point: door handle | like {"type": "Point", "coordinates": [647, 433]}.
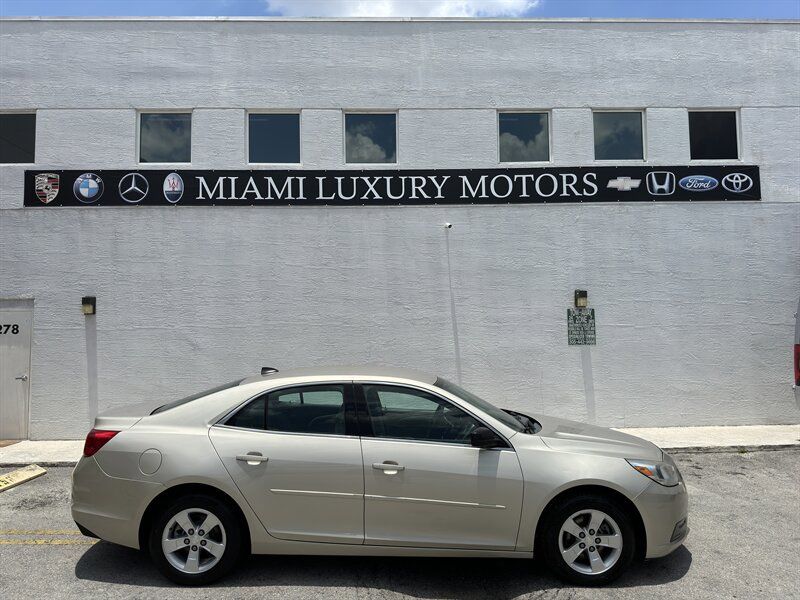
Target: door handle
{"type": "Point", "coordinates": [22, 377]}
{"type": "Point", "coordinates": [388, 467]}
{"type": "Point", "coordinates": [252, 459]}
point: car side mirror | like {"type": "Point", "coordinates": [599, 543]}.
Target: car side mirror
{"type": "Point", "coordinates": [483, 437]}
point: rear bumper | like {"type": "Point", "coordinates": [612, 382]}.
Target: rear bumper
{"type": "Point", "coordinates": [664, 511]}
{"type": "Point", "coordinates": [108, 507]}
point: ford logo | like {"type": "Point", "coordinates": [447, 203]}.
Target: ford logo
{"type": "Point", "coordinates": [698, 183]}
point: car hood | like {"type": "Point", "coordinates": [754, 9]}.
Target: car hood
{"type": "Point", "coordinates": [571, 436]}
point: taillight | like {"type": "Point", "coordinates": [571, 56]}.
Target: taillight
{"type": "Point", "coordinates": [797, 364]}
{"type": "Point", "coordinates": [96, 439]}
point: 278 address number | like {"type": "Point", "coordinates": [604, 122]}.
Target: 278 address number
{"type": "Point", "coordinates": [12, 329]}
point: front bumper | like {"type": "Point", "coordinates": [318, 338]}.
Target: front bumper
{"type": "Point", "coordinates": [109, 508]}
{"type": "Point", "coordinates": [664, 511]}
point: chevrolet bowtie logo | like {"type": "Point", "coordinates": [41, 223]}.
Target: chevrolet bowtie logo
{"type": "Point", "coordinates": [624, 184]}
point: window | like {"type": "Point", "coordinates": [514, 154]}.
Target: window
{"type": "Point", "coordinates": [618, 136]}
{"type": "Point", "coordinates": [712, 135]}
{"type": "Point", "coordinates": [17, 138]}
{"type": "Point", "coordinates": [370, 138]}
{"type": "Point", "coordinates": [165, 138]}
{"type": "Point", "coordinates": [406, 413]}
{"type": "Point", "coordinates": [309, 409]}
{"type": "Point", "coordinates": [524, 137]}
{"type": "Point", "coordinates": [481, 404]}
{"type": "Point", "coordinates": [273, 138]}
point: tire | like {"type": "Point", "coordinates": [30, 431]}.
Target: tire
{"type": "Point", "coordinates": [207, 557]}
{"type": "Point", "coordinates": [579, 514]}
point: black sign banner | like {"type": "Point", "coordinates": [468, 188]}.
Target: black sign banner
{"type": "Point", "coordinates": [545, 185]}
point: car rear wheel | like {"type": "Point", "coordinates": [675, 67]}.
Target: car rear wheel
{"type": "Point", "coordinates": [588, 540]}
{"type": "Point", "coordinates": [195, 540]}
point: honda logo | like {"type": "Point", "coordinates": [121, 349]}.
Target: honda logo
{"type": "Point", "coordinates": [661, 183]}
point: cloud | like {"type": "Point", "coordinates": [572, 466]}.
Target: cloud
{"type": "Point", "coordinates": [361, 149]}
{"type": "Point", "coordinates": [513, 149]}
{"type": "Point", "coordinates": [402, 8]}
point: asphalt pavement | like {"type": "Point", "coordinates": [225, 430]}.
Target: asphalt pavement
{"type": "Point", "coordinates": [744, 543]}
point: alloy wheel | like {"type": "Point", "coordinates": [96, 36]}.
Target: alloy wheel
{"type": "Point", "coordinates": [193, 540]}
{"type": "Point", "coordinates": [590, 542]}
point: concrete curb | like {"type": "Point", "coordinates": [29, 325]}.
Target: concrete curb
{"type": "Point", "coordinates": [730, 449]}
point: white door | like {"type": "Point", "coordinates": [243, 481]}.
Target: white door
{"type": "Point", "coordinates": [16, 320]}
{"type": "Point", "coordinates": [425, 485]}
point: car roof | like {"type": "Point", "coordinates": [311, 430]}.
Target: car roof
{"type": "Point", "coordinates": [354, 372]}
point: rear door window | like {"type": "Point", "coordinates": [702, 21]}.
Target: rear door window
{"type": "Point", "coordinates": [314, 409]}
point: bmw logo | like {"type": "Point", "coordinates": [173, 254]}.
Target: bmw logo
{"type": "Point", "coordinates": [88, 188]}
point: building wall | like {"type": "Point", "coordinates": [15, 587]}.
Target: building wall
{"type": "Point", "coordinates": [694, 301]}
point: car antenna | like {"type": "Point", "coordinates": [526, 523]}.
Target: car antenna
{"type": "Point", "coordinates": [268, 370]}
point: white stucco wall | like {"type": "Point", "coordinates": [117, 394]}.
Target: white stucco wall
{"type": "Point", "coordinates": [694, 301]}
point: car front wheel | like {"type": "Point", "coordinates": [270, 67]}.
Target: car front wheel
{"type": "Point", "coordinates": [196, 540]}
{"type": "Point", "coordinates": [588, 540]}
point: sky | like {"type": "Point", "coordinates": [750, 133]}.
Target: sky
{"type": "Point", "coordinates": [682, 9]}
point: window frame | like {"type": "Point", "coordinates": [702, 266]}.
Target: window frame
{"type": "Point", "coordinates": [371, 111]}
{"type": "Point", "coordinates": [350, 410]}
{"type": "Point", "coordinates": [365, 422]}
{"type": "Point", "coordinates": [610, 161]}
{"type": "Point", "coordinates": [25, 111]}
{"type": "Point", "coordinates": [534, 111]}
{"type": "Point", "coordinates": [160, 111]}
{"type": "Point", "coordinates": [716, 161]}
{"type": "Point", "coordinates": [274, 111]}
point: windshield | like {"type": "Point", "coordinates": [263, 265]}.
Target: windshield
{"type": "Point", "coordinates": [188, 399]}
{"type": "Point", "coordinates": [479, 403]}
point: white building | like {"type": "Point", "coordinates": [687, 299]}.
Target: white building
{"type": "Point", "coordinates": [694, 300]}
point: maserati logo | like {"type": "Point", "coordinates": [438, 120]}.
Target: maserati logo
{"type": "Point", "coordinates": [661, 183]}
{"type": "Point", "coordinates": [45, 185]}
{"type": "Point", "coordinates": [88, 188]}
{"type": "Point", "coordinates": [737, 182]}
{"type": "Point", "coordinates": [624, 184]}
{"type": "Point", "coordinates": [173, 187]}
{"type": "Point", "coordinates": [133, 187]}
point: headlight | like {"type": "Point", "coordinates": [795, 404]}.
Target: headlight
{"type": "Point", "coordinates": [664, 473]}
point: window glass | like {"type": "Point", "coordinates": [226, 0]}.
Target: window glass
{"type": "Point", "coordinates": [165, 137]}
{"type": "Point", "coordinates": [712, 135]}
{"type": "Point", "coordinates": [618, 136]}
{"type": "Point", "coordinates": [370, 138]}
{"type": "Point", "coordinates": [17, 138]}
{"type": "Point", "coordinates": [309, 409]}
{"type": "Point", "coordinates": [480, 404]}
{"type": "Point", "coordinates": [523, 137]}
{"type": "Point", "coordinates": [251, 416]}
{"type": "Point", "coordinates": [405, 413]}
{"type": "Point", "coordinates": [274, 138]}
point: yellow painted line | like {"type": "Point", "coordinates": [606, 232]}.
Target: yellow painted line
{"type": "Point", "coordinates": [15, 478]}
{"type": "Point", "coordinates": [43, 542]}
{"type": "Point", "coordinates": [40, 532]}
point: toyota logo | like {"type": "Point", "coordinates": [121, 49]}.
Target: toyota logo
{"type": "Point", "coordinates": [737, 182]}
{"type": "Point", "coordinates": [133, 187]}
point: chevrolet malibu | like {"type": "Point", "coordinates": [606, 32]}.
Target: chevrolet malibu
{"type": "Point", "coordinates": [371, 461]}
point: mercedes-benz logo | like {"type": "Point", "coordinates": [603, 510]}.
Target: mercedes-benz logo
{"type": "Point", "coordinates": [737, 182]}
{"type": "Point", "coordinates": [133, 187]}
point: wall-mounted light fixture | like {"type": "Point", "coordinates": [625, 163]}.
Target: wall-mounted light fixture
{"type": "Point", "coordinates": [88, 305]}
{"type": "Point", "coordinates": [581, 298]}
